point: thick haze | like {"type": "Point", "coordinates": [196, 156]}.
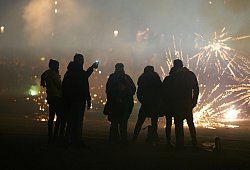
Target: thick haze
{"type": "Point", "coordinates": [89, 24]}
{"type": "Point", "coordinates": [145, 29]}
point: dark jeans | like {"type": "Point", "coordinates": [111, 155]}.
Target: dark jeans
{"type": "Point", "coordinates": [168, 128]}
{"type": "Point", "coordinates": [141, 119]}
{"type": "Point", "coordinates": [118, 131]}
{"type": "Point", "coordinates": [179, 132]}
{"type": "Point", "coordinates": [190, 122]}
{"type": "Point", "coordinates": [55, 108]}
{"type": "Point", "coordinates": [75, 117]}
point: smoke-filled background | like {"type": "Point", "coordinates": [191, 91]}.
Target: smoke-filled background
{"type": "Point", "coordinates": [212, 38]}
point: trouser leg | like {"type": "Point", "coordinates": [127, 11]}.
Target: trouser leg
{"type": "Point", "coordinates": [78, 130]}
{"type": "Point", "coordinates": [191, 127]}
{"type": "Point", "coordinates": [139, 123]}
{"type": "Point", "coordinates": [50, 122]}
{"type": "Point", "coordinates": [154, 123]}
{"type": "Point", "coordinates": [58, 123]}
{"type": "Point", "coordinates": [123, 125]}
{"type": "Point", "coordinates": [168, 128]}
{"type": "Point", "coordinates": [179, 131]}
{"type": "Point", "coordinates": [113, 132]}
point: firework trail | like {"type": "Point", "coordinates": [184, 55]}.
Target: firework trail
{"type": "Point", "coordinates": [241, 92]}
{"type": "Point", "coordinates": [216, 53]}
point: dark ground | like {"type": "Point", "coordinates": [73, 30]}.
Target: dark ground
{"type": "Point", "coordinates": [23, 148]}
{"type": "Point", "coordinates": [24, 145]}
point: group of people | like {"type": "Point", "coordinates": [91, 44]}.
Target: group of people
{"type": "Point", "coordinates": [173, 98]}
{"type": "Point", "coordinates": [67, 99]}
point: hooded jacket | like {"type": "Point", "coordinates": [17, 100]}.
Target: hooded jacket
{"type": "Point", "coordinates": [51, 80]}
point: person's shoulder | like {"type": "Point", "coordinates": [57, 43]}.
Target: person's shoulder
{"type": "Point", "coordinates": [46, 72]}
{"type": "Point", "coordinates": [141, 76]}
{"type": "Point", "coordinates": [166, 78]}
{"type": "Point", "coordinates": [111, 76]}
{"type": "Point", "coordinates": [156, 75]}
{"type": "Point", "coordinates": [127, 76]}
{"type": "Point", "coordinates": [191, 72]}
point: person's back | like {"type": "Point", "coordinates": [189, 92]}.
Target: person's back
{"type": "Point", "coordinates": [76, 94]}
{"type": "Point", "coordinates": [51, 80]}
{"type": "Point", "coordinates": [120, 89]}
{"type": "Point", "coordinates": [52, 83]}
{"type": "Point", "coordinates": [75, 84]}
{"type": "Point", "coordinates": [182, 89]}
{"type": "Point", "coordinates": [149, 86]}
{"type": "Point", "coordinates": [148, 93]}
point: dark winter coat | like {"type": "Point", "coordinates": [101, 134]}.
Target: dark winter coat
{"type": "Point", "coordinates": [148, 93]}
{"type": "Point", "coordinates": [181, 90]}
{"type": "Point", "coordinates": [75, 85]}
{"type": "Point", "coordinates": [120, 89]}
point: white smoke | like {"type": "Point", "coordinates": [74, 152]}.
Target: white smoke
{"type": "Point", "coordinates": [38, 21]}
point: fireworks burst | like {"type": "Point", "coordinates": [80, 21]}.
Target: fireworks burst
{"type": "Point", "coordinates": [215, 106]}
{"type": "Point", "coordinates": [216, 53]}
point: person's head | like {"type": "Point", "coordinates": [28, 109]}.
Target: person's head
{"type": "Point", "coordinates": [178, 63]}
{"type": "Point", "coordinates": [79, 59]}
{"type": "Point", "coordinates": [119, 67]}
{"type": "Point", "coordinates": [53, 65]}
{"type": "Point", "coordinates": [149, 69]}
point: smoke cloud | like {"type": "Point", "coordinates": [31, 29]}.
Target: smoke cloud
{"type": "Point", "coordinates": [38, 21]}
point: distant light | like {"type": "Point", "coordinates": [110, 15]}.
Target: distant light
{"type": "Point", "coordinates": [210, 2]}
{"type": "Point", "coordinates": [43, 120]}
{"type": "Point", "coordinates": [55, 2]}
{"type": "Point", "coordinates": [116, 33]}
{"type": "Point", "coordinates": [2, 29]}
{"type": "Point", "coordinates": [100, 72]}
{"type": "Point", "coordinates": [56, 11]}
{"type": "Point", "coordinates": [43, 58]}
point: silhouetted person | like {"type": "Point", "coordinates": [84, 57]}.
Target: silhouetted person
{"type": "Point", "coordinates": [182, 92]}
{"type": "Point", "coordinates": [148, 93]}
{"type": "Point", "coordinates": [51, 80]}
{"type": "Point", "coordinates": [167, 110]}
{"type": "Point", "coordinates": [120, 89]}
{"type": "Point", "coordinates": [76, 94]}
